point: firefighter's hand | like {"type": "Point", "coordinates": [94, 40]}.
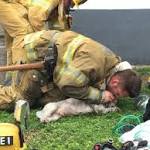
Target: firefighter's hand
{"type": "Point", "coordinates": [108, 97]}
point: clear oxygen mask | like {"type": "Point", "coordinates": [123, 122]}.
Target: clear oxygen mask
{"type": "Point", "coordinates": [141, 102]}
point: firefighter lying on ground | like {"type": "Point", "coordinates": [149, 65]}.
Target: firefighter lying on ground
{"type": "Point", "coordinates": [85, 69]}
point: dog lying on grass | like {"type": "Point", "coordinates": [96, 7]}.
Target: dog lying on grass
{"type": "Point", "coordinates": [71, 106]}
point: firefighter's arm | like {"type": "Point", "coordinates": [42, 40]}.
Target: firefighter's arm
{"type": "Point", "coordinates": [72, 87]}
{"type": "Point", "coordinates": [39, 11]}
{"type": "Point", "coordinates": [75, 80]}
{"type": "Point", "coordinates": [78, 79]}
{"type": "Point", "coordinates": [74, 83]}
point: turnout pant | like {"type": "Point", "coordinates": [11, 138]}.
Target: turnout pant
{"type": "Point", "coordinates": [29, 85]}
{"type": "Point", "coordinates": [24, 85]}
{"type": "Point", "coordinates": [13, 18]}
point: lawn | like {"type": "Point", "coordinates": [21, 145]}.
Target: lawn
{"type": "Point", "coordinates": [77, 132]}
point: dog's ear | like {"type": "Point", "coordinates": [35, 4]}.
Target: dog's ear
{"type": "Point", "coordinates": [146, 115]}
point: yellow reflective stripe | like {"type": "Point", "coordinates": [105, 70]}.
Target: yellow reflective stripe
{"type": "Point", "coordinates": [30, 41]}
{"type": "Point", "coordinates": [66, 69]}
{"type": "Point", "coordinates": [75, 74]}
{"type": "Point", "coordinates": [94, 94]}
{"type": "Point", "coordinates": [29, 46]}
{"type": "Point", "coordinates": [44, 4]}
{"type": "Point", "coordinates": [31, 53]}
{"type": "Point", "coordinates": [33, 37]}
{"type": "Point", "coordinates": [68, 56]}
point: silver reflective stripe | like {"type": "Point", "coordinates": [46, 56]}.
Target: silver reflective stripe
{"type": "Point", "coordinates": [94, 94]}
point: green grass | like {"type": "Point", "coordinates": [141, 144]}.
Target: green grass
{"type": "Point", "coordinates": [77, 132]}
{"type": "Point", "coordinates": [73, 133]}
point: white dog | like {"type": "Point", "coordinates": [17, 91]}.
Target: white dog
{"type": "Point", "coordinates": [55, 110]}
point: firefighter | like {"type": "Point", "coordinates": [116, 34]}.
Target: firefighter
{"type": "Point", "coordinates": [85, 69]}
{"type": "Point", "coordinates": [13, 19]}
{"type": "Point", "coordinates": [57, 12]}
{"type": "Point", "coordinates": [19, 18]}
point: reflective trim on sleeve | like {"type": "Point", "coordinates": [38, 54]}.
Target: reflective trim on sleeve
{"type": "Point", "coordinates": [79, 77]}
{"type": "Point", "coordinates": [30, 42]}
{"type": "Point", "coordinates": [94, 94]}
{"type": "Point", "coordinates": [44, 4]}
{"type": "Point", "coordinates": [31, 53]}
{"type": "Point", "coordinates": [76, 42]}
{"type": "Point", "coordinates": [33, 37]}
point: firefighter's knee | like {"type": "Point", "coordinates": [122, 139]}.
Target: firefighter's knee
{"type": "Point", "coordinates": [31, 86]}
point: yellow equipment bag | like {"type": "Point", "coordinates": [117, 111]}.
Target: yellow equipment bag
{"type": "Point", "coordinates": [11, 135]}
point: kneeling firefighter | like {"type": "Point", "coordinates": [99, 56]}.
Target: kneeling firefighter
{"type": "Point", "coordinates": [30, 83]}
{"type": "Point", "coordinates": [82, 66]}
{"type": "Point", "coordinates": [19, 18]}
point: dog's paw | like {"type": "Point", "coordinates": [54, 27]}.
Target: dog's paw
{"type": "Point", "coordinates": [116, 109]}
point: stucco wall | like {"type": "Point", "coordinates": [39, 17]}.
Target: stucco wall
{"type": "Point", "coordinates": [127, 32]}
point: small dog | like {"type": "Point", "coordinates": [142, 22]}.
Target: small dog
{"type": "Point", "coordinates": [71, 106]}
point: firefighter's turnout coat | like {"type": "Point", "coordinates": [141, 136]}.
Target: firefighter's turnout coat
{"type": "Point", "coordinates": [82, 65]}
{"type": "Point", "coordinates": [20, 17]}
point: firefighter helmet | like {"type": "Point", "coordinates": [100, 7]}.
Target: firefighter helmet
{"type": "Point", "coordinates": [78, 2]}
{"type": "Point", "coordinates": [11, 137]}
